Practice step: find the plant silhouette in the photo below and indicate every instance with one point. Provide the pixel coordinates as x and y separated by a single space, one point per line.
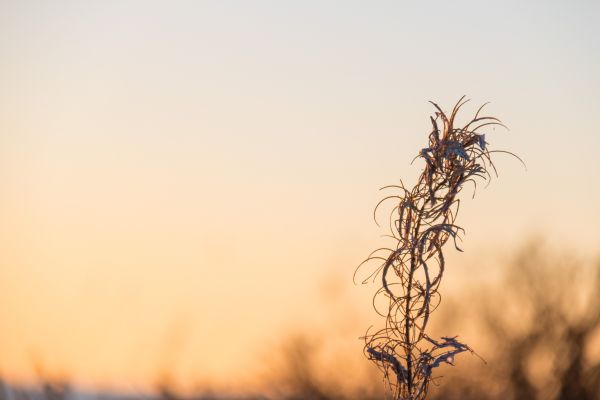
421 223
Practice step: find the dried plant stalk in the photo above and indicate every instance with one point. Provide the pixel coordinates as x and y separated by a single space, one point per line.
421 223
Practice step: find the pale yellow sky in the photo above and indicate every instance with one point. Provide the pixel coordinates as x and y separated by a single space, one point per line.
193 172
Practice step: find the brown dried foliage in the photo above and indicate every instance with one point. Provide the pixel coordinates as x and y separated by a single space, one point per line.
421 223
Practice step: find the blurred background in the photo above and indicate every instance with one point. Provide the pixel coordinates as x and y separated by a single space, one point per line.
187 188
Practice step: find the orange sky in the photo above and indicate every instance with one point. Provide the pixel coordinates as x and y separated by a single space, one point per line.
179 181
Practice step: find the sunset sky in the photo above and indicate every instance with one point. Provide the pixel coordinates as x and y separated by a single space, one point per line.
184 183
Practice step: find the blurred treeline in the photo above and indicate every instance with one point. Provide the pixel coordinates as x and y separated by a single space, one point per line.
537 327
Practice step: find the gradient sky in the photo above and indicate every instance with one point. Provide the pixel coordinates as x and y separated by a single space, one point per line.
181 182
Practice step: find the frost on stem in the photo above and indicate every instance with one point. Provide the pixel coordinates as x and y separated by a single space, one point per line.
421 223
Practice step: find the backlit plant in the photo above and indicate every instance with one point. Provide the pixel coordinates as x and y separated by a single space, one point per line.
421 224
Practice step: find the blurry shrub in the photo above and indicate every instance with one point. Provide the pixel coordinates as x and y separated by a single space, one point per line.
540 323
